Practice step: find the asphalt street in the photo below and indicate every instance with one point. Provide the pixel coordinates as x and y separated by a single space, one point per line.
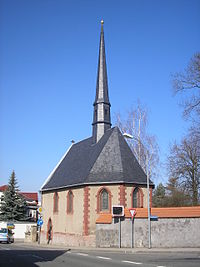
22 255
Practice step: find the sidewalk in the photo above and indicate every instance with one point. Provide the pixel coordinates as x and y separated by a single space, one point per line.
125 250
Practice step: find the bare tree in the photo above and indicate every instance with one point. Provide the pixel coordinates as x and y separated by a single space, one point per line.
176 194
171 195
189 81
195 131
184 165
143 145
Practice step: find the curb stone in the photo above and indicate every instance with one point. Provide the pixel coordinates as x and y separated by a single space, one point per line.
125 250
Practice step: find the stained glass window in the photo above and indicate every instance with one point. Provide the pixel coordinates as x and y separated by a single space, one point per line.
104 200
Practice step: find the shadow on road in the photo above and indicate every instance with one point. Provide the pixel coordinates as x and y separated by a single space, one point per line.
27 258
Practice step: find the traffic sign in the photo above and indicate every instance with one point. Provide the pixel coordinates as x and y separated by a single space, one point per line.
154 218
10 226
132 212
40 222
40 209
117 211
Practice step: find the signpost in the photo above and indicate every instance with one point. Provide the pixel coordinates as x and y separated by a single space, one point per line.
39 223
39 210
118 211
133 213
10 225
154 218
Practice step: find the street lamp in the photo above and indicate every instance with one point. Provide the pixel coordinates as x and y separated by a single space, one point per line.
129 136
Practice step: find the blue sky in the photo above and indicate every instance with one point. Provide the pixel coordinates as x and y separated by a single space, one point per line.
49 56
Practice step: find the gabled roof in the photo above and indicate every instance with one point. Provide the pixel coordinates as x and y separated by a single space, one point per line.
108 161
3 188
27 195
30 196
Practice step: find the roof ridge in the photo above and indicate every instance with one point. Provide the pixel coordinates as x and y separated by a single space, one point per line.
131 157
56 167
79 142
118 133
109 133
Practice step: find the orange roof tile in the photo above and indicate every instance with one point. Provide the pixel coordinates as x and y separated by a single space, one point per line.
104 218
175 212
171 212
127 213
141 213
30 196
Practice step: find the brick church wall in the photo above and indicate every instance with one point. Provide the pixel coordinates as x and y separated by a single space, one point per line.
62 222
79 227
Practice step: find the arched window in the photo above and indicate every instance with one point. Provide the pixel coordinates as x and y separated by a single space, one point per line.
55 202
70 197
137 198
104 198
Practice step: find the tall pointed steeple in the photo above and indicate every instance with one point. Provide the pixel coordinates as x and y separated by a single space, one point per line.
101 117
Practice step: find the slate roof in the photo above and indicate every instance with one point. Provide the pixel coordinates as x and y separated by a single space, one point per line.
108 161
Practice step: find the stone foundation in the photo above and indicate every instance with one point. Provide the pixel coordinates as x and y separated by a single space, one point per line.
70 240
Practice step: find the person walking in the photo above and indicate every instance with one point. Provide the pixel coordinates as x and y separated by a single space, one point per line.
49 234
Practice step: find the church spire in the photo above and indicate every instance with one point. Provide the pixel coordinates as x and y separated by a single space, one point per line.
101 117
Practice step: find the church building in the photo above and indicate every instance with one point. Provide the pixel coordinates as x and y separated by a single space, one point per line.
93 175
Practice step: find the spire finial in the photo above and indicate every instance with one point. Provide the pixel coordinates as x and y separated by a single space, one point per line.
102 22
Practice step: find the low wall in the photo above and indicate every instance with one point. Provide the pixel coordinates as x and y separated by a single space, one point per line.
20 228
166 232
71 240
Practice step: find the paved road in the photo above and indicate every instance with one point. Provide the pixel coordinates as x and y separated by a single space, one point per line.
27 256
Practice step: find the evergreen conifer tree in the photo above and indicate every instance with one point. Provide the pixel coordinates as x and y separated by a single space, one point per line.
159 196
13 205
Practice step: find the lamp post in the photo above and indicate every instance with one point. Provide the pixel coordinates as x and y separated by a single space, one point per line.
129 136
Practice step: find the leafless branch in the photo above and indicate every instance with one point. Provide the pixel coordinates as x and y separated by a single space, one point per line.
189 81
143 145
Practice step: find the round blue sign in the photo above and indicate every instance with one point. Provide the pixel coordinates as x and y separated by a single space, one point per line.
40 222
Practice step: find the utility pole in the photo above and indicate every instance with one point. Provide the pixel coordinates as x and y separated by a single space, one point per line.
129 136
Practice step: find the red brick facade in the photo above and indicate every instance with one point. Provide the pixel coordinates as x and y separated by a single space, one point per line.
122 195
86 210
